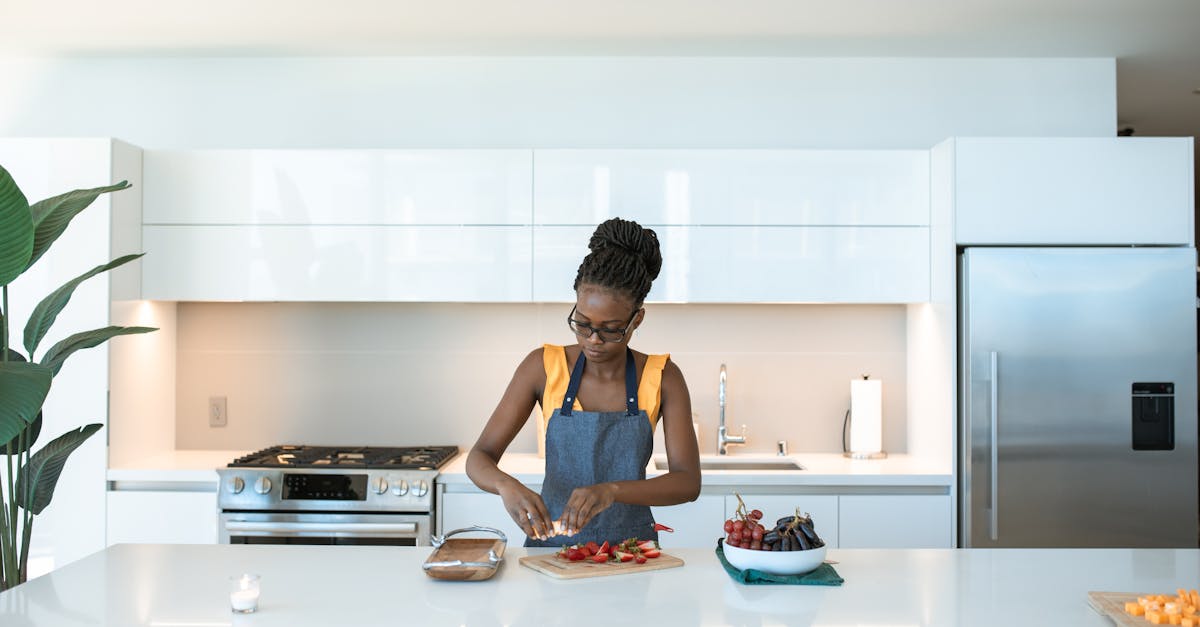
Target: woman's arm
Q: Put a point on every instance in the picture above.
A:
(509, 417)
(679, 485)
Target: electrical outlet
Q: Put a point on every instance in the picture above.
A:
(218, 412)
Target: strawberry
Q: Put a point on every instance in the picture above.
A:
(647, 545)
(575, 555)
(623, 556)
(593, 547)
(587, 551)
(652, 553)
(641, 559)
(604, 548)
(600, 558)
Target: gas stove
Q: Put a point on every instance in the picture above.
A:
(331, 495)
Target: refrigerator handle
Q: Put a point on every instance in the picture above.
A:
(994, 418)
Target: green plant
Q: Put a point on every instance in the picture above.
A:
(26, 233)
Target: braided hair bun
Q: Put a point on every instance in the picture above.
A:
(624, 257)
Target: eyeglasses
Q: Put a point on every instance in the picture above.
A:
(606, 335)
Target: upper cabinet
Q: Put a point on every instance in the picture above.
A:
(736, 226)
(733, 187)
(1071, 190)
(360, 187)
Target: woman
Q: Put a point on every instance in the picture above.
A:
(601, 401)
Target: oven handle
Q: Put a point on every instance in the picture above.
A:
(301, 527)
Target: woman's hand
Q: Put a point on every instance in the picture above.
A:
(527, 509)
(585, 503)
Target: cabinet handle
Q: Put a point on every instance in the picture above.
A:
(994, 417)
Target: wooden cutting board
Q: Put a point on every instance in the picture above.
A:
(1112, 605)
(548, 564)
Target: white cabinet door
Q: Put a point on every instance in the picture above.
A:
(162, 517)
(1073, 190)
(696, 524)
(337, 263)
(469, 507)
(754, 187)
(910, 521)
(338, 187)
(823, 508)
(758, 264)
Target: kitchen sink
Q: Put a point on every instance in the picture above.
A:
(737, 462)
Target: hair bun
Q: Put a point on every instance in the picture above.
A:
(629, 238)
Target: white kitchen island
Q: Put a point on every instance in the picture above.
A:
(186, 585)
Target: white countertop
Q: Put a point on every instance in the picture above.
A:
(177, 585)
(177, 465)
(824, 469)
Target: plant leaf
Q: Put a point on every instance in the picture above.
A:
(45, 467)
(23, 389)
(54, 358)
(52, 215)
(33, 430)
(47, 311)
(16, 229)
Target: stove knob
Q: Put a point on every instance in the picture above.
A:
(237, 485)
(263, 485)
(421, 489)
(381, 486)
(400, 488)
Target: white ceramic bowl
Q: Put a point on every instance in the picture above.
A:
(775, 562)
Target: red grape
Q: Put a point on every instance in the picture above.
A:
(756, 514)
(728, 526)
(756, 534)
(738, 525)
(756, 545)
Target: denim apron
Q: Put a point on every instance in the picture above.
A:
(588, 447)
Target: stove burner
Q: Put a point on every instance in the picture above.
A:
(293, 456)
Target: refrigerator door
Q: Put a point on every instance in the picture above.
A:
(1053, 341)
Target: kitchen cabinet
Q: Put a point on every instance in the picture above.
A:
(748, 264)
(732, 187)
(696, 524)
(911, 521)
(823, 508)
(73, 525)
(162, 517)
(461, 506)
(337, 263)
(348, 187)
(1072, 190)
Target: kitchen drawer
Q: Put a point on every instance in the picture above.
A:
(909, 521)
(337, 263)
(696, 524)
(162, 517)
(301, 187)
(779, 264)
(732, 187)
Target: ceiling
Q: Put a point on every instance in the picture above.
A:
(1156, 42)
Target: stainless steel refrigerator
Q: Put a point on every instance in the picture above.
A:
(1077, 397)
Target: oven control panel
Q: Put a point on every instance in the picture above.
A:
(322, 487)
(249, 489)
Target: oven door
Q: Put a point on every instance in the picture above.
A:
(324, 528)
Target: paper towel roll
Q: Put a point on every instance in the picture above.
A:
(866, 418)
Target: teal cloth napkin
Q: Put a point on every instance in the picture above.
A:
(824, 575)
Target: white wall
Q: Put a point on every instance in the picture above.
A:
(554, 101)
(413, 373)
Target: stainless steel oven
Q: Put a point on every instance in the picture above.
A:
(328, 495)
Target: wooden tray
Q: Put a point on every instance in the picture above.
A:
(548, 564)
(466, 559)
(1112, 605)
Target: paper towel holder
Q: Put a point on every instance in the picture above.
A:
(866, 442)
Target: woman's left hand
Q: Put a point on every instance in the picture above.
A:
(585, 503)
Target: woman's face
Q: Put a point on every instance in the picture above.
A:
(603, 309)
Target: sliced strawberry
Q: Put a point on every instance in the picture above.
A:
(652, 553)
(575, 555)
(593, 547)
(599, 558)
(647, 545)
(623, 556)
(641, 559)
(604, 548)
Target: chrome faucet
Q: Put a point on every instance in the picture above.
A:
(723, 437)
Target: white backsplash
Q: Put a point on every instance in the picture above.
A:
(431, 373)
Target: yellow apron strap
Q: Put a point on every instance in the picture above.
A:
(558, 376)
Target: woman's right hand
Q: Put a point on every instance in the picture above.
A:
(527, 509)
